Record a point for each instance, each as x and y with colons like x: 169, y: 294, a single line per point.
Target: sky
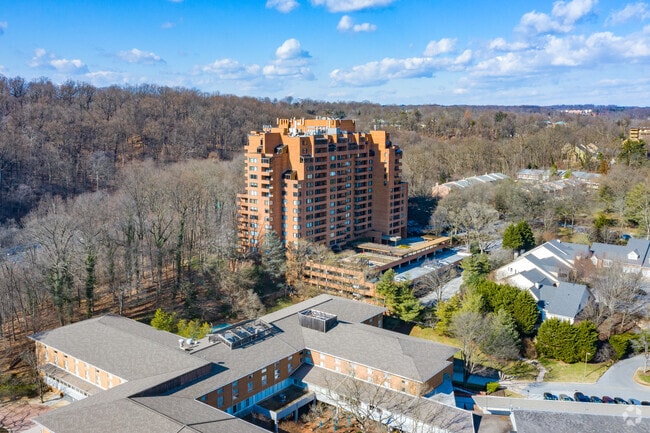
x: 448, y: 52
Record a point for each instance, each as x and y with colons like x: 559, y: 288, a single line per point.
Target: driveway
x: 616, y: 382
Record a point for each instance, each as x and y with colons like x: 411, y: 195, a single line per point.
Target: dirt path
x: 16, y: 416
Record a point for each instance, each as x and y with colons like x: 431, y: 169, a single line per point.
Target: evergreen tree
x: 475, y: 268
x: 586, y: 338
x: 525, y: 312
x: 519, y: 236
x: 553, y: 338
x: 273, y: 257
x: 445, y: 312
x: 164, y: 321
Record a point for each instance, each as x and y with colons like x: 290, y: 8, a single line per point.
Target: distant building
x: 443, y: 190
x: 641, y: 133
x: 320, y: 180
x: 559, y: 181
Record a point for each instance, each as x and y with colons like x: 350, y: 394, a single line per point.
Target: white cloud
x: 638, y: 11
x: 536, y: 23
x: 167, y: 25
x: 346, y: 24
x: 379, y: 72
x: 572, y: 11
x: 442, y: 46
x: 500, y: 44
x: 350, y: 5
x: 138, y: 56
x: 229, y: 69
x: 284, y: 6
x: 563, y: 16
x: 291, y: 61
x: 43, y: 59
x: 291, y: 49
x: 571, y: 51
x: 3, y: 26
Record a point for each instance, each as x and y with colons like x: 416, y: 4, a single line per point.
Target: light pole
x: 586, y: 354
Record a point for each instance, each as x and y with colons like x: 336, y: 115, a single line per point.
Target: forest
x: 123, y: 199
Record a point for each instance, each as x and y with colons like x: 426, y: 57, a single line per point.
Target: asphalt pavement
x: 616, y: 382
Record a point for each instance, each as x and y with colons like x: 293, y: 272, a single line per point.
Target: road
x: 616, y: 382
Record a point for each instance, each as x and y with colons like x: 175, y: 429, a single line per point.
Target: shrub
x: 621, y: 344
x: 492, y: 387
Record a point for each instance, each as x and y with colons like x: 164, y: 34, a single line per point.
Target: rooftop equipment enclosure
x: 317, y: 320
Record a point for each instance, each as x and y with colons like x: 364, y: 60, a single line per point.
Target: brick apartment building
x: 322, y: 181
x: 127, y: 376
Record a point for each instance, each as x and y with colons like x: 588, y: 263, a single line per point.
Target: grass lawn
x: 281, y: 303
x: 642, y: 378
x: 433, y: 335
x: 557, y: 371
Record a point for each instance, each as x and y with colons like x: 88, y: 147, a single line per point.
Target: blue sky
x: 501, y: 52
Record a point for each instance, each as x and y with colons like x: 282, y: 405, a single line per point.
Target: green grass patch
x: 280, y: 304
x: 433, y: 335
x: 643, y: 378
x: 558, y: 371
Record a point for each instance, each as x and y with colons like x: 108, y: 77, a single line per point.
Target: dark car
x: 608, y: 399
x: 595, y: 399
x: 645, y: 403
x: 549, y: 396
x: 619, y: 400
x: 578, y: 396
x: 565, y: 397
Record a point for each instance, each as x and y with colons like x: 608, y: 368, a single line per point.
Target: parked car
x: 595, y: 399
x: 619, y: 400
x: 565, y: 397
x: 645, y: 403
x: 549, y: 396
x: 608, y: 399
x: 634, y: 401
x: 578, y: 396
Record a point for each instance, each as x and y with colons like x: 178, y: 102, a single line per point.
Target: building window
x: 264, y: 380
x: 250, y: 386
x: 220, y: 401
x: 276, y: 374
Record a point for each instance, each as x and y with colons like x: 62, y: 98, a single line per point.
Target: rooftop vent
x: 317, y: 320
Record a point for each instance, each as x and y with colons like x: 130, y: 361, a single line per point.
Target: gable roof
x: 563, y: 300
x: 635, y: 253
x: 120, y: 346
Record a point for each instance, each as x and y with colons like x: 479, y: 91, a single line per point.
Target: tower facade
x: 322, y: 181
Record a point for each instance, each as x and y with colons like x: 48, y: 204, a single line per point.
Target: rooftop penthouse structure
x: 322, y: 181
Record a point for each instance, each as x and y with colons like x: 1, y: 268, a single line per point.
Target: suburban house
x: 443, y: 190
x: 561, y: 300
x: 633, y: 257
x: 544, y: 272
x: 128, y: 376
